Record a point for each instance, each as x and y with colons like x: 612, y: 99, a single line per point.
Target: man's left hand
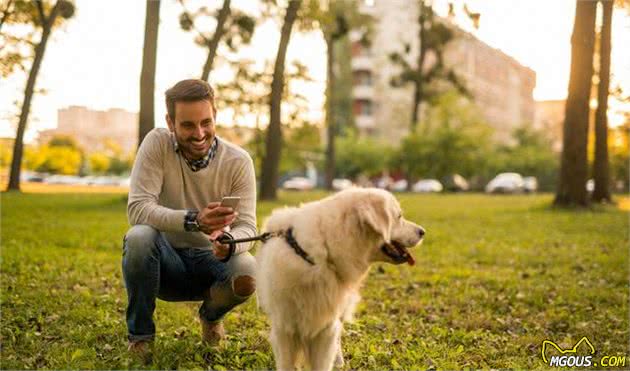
x: 219, y: 250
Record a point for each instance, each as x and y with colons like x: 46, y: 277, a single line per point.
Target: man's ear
x: 170, y: 123
x: 374, y: 215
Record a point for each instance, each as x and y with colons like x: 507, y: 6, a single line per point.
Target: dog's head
x: 382, y: 221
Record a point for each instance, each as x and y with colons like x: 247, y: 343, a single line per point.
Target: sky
x: 94, y: 60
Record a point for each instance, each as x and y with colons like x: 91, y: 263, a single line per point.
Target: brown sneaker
x: 141, y: 350
x: 212, y: 332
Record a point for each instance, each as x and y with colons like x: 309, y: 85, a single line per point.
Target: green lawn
x: 495, y: 277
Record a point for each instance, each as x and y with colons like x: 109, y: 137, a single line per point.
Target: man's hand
x: 214, y: 217
x: 219, y: 250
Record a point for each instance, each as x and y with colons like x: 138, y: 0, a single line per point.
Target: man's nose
x: 420, y: 232
x: 199, y: 133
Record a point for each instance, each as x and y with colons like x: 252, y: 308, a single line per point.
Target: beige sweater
x: 163, y: 189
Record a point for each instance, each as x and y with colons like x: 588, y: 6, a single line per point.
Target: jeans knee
x: 139, y: 244
x: 244, y: 286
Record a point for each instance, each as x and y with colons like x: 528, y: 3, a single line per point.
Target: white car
x: 298, y: 184
x: 399, y: 185
x: 590, y: 185
x: 341, y: 184
x: 506, y: 183
x: 530, y: 184
x: 427, y: 185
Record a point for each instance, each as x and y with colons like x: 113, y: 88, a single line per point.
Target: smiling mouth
x: 199, y: 144
x: 398, y: 253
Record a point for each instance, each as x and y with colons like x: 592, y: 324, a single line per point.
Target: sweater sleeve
x: 244, y: 186
x: 147, y: 177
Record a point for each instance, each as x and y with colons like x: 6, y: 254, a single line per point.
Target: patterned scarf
x: 196, y: 165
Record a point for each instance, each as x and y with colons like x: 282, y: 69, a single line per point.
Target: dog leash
x: 227, y: 239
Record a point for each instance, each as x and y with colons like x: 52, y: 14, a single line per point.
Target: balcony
x: 363, y: 92
x: 362, y: 62
x: 364, y: 122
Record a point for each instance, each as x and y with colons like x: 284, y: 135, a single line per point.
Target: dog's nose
x: 421, y: 232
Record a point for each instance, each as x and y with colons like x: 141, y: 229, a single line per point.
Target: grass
x: 495, y: 277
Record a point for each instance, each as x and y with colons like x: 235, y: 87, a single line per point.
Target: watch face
x: 190, y: 222
x: 191, y: 226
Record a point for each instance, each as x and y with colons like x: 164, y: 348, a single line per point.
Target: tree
x: 601, y: 169
x: 273, y: 142
x: 232, y: 26
x: 335, y: 20
x: 99, y: 163
x: 147, y: 75
x: 455, y: 140
x: 530, y: 155
x: 433, y: 36
x: 361, y: 157
x: 573, y: 166
x: 247, y: 95
x: 44, y: 17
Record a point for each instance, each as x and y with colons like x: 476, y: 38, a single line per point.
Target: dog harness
x: 288, y: 236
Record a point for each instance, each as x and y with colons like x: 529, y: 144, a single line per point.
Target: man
x: 178, y: 179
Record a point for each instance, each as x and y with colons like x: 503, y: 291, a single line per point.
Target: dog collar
x: 288, y: 236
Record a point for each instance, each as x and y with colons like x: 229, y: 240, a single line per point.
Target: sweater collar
x: 202, y: 163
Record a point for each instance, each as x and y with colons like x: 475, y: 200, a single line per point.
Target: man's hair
x: 188, y: 91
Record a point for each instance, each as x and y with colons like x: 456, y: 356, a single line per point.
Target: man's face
x: 193, y: 127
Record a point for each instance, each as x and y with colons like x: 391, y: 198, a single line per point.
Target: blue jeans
x: 152, y: 269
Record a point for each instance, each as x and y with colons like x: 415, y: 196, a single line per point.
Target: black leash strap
x: 227, y: 239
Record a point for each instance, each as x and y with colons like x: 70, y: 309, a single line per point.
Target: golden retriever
x: 307, y: 297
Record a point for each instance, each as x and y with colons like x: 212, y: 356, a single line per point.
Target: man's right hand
x: 215, y: 217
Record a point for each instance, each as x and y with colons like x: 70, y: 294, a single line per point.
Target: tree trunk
x: 224, y: 13
x: 273, y: 142
x: 330, y: 116
x: 417, y: 86
x: 601, y: 166
x: 147, y: 76
x: 573, y: 167
x: 18, y: 147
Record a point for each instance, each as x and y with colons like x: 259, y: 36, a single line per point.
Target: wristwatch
x: 190, y: 221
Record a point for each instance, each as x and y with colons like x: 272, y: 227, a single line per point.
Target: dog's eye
x: 400, y: 216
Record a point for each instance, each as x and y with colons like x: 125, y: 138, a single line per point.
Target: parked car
x: 28, y: 176
x: 505, y: 183
x: 399, y: 185
x: 298, y: 184
x: 427, y: 185
x: 590, y: 185
x: 341, y: 184
x: 455, y: 183
x: 530, y: 184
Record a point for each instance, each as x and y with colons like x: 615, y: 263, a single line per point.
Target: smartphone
x: 230, y: 201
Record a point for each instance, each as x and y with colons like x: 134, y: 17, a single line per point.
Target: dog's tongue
x: 410, y: 259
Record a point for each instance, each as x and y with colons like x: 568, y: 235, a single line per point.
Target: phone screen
x: 230, y: 201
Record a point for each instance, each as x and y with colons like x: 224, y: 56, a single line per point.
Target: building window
x: 363, y: 107
x: 360, y: 50
x: 362, y: 78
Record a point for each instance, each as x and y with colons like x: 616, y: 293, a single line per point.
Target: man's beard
x: 187, y: 148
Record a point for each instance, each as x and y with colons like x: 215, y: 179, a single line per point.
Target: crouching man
x: 169, y: 253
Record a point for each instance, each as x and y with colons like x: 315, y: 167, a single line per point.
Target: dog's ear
x: 374, y: 214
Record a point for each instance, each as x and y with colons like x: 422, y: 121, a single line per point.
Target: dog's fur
x: 306, y: 304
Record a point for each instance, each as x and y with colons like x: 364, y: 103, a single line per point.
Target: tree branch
x: 205, y: 39
x: 40, y: 9
x: 6, y: 13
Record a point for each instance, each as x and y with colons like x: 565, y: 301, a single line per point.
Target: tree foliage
x: 428, y: 79
x: 232, y: 26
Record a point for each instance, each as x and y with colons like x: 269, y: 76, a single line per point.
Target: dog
x: 308, y: 276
